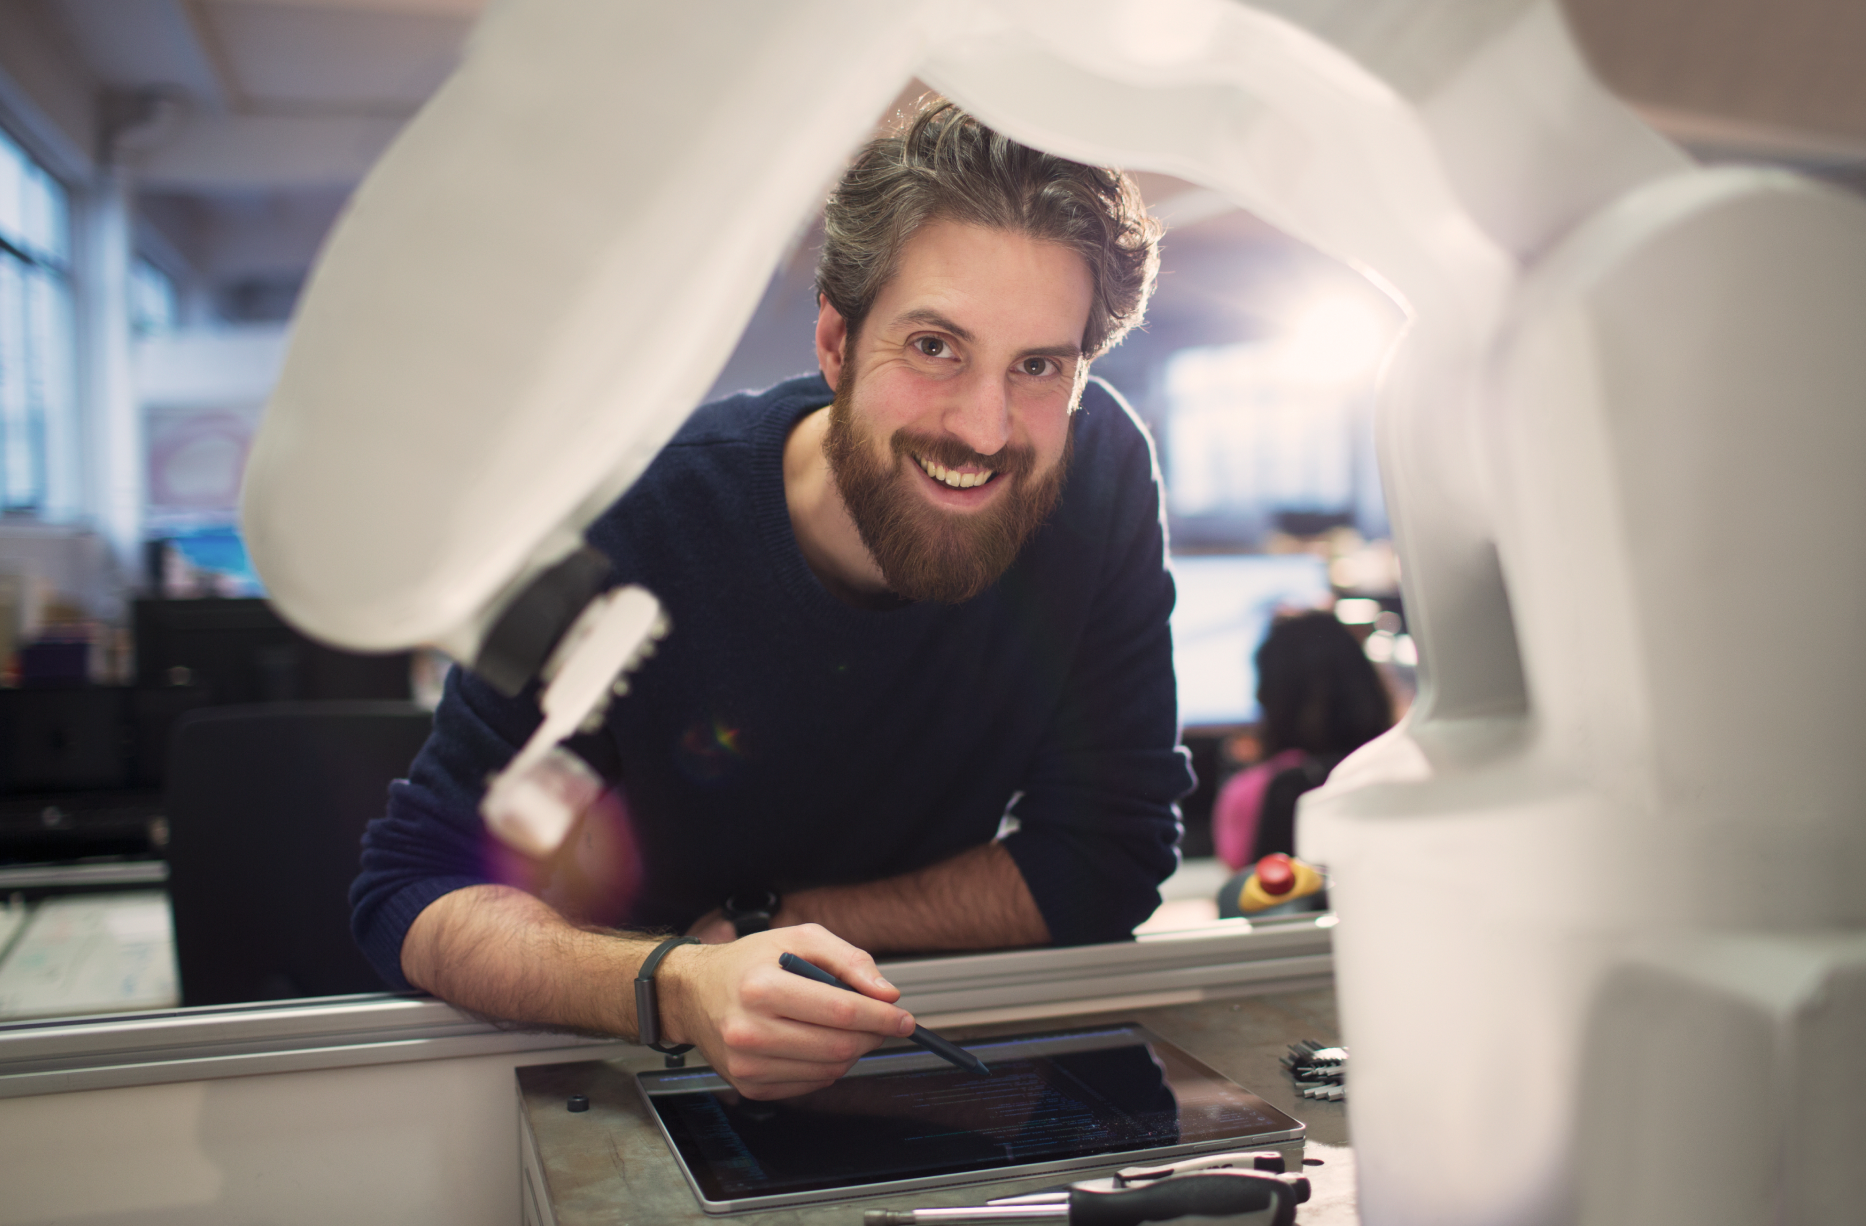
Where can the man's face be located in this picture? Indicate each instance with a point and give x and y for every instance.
(949, 435)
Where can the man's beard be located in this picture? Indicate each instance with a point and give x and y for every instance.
(926, 553)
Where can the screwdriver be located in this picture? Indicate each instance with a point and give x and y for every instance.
(946, 1049)
(1204, 1194)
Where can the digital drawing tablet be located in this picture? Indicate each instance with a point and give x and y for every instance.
(1101, 1096)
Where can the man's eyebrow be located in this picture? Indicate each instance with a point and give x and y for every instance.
(933, 319)
(930, 318)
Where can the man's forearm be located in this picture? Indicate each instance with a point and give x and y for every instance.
(975, 900)
(500, 951)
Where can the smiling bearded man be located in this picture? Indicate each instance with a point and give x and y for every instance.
(925, 553)
(919, 693)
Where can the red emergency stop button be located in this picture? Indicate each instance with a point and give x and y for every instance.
(1275, 874)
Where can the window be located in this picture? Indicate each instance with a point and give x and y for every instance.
(35, 329)
(1247, 437)
(153, 307)
(1278, 426)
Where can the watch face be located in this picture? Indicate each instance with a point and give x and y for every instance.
(751, 902)
(751, 911)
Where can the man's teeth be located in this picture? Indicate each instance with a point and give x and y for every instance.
(958, 481)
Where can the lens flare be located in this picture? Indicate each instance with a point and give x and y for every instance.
(595, 877)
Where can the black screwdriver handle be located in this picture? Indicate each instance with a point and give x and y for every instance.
(1202, 1194)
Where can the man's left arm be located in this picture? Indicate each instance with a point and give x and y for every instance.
(974, 900)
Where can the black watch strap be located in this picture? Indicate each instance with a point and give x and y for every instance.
(648, 1008)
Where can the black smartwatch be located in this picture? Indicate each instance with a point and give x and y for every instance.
(648, 1008)
(750, 911)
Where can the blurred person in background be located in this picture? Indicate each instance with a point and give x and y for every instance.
(1322, 699)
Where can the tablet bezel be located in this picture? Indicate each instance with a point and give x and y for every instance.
(1286, 1138)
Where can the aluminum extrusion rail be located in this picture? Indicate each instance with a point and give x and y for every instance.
(1229, 958)
(52, 1056)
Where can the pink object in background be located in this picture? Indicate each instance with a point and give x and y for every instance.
(1240, 804)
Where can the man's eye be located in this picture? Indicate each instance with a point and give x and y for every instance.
(1037, 367)
(931, 346)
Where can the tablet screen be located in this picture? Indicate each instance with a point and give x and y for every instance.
(1053, 1099)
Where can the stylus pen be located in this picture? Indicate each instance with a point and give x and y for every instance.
(921, 1035)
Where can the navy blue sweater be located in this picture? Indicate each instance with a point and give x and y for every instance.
(783, 739)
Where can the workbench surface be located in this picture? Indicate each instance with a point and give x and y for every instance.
(609, 1164)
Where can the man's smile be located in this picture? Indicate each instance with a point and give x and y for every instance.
(953, 478)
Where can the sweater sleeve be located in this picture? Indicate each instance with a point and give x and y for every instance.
(431, 841)
(1097, 822)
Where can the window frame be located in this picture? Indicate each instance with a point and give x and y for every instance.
(47, 334)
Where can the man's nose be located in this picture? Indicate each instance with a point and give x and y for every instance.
(980, 417)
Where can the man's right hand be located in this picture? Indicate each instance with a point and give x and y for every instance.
(770, 1033)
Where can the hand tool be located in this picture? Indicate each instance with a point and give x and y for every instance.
(1210, 1193)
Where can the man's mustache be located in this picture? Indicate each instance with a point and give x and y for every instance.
(1009, 460)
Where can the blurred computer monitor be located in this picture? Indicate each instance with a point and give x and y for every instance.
(1224, 609)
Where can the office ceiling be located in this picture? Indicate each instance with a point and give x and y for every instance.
(270, 97)
(287, 57)
(1777, 76)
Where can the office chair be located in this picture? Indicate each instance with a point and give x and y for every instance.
(266, 809)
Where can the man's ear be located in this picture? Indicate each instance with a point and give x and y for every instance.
(832, 334)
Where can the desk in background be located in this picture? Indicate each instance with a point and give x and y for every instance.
(81, 954)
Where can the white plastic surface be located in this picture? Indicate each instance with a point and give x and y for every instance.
(1674, 432)
(1623, 449)
(1755, 1038)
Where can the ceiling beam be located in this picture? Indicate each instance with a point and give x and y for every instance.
(137, 44)
(227, 93)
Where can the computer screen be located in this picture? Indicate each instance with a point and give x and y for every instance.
(1224, 609)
